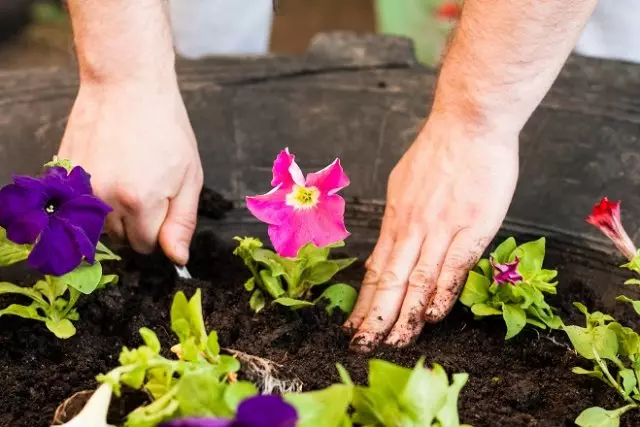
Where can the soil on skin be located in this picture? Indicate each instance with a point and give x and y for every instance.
(526, 381)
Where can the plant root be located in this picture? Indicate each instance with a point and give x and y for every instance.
(71, 407)
(269, 376)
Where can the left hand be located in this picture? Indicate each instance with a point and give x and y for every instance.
(446, 199)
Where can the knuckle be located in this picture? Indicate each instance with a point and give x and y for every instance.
(131, 201)
(389, 280)
(420, 277)
(371, 277)
(185, 222)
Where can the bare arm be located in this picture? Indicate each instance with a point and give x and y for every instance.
(121, 40)
(450, 192)
(504, 56)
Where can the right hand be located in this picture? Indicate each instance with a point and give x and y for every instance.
(135, 140)
(446, 200)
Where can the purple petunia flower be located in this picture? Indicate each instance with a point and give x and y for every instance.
(258, 411)
(506, 273)
(59, 213)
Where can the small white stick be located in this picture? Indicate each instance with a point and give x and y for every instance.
(183, 272)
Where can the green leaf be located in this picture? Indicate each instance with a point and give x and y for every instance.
(635, 304)
(483, 310)
(150, 340)
(85, 278)
(271, 284)
(600, 417)
(387, 377)
(179, 316)
(291, 302)
(515, 318)
(584, 340)
(632, 282)
(504, 250)
(628, 339)
(484, 267)
(343, 263)
(108, 279)
(103, 253)
(476, 289)
(201, 394)
(327, 408)
(250, 284)
(11, 253)
(531, 256)
(256, 302)
(10, 288)
(57, 162)
(628, 380)
(24, 311)
(187, 320)
(340, 296)
(62, 328)
(320, 273)
(313, 254)
(448, 414)
(596, 373)
(212, 343)
(425, 394)
(237, 392)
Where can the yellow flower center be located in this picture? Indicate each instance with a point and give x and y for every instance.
(303, 197)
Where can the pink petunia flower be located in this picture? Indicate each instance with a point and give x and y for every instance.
(300, 210)
(506, 273)
(606, 217)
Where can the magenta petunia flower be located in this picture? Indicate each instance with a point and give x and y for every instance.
(506, 273)
(300, 210)
(606, 217)
(258, 411)
(59, 213)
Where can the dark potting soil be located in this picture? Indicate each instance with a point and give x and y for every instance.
(526, 381)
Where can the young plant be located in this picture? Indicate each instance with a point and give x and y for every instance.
(513, 284)
(290, 281)
(398, 396)
(54, 222)
(306, 220)
(613, 348)
(615, 352)
(200, 382)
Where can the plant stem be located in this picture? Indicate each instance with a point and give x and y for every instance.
(73, 299)
(612, 381)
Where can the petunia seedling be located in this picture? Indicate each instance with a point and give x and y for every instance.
(256, 411)
(614, 351)
(306, 220)
(199, 382)
(290, 281)
(302, 210)
(54, 222)
(513, 284)
(399, 396)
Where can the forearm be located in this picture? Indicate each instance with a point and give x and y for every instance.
(503, 58)
(122, 40)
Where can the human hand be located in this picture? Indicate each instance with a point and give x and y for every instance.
(446, 200)
(136, 141)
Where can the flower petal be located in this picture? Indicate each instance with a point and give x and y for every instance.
(16, 200)
(56, 183)
(286, 171)
(322, 225)
(27, 227)
(56, 252)
(266, 411)
(198, 422)
(88, 213)
(79, 181)
(606, 217)
(329, 180)
(271, 207)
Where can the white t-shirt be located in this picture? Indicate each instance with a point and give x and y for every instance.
(613, 31)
